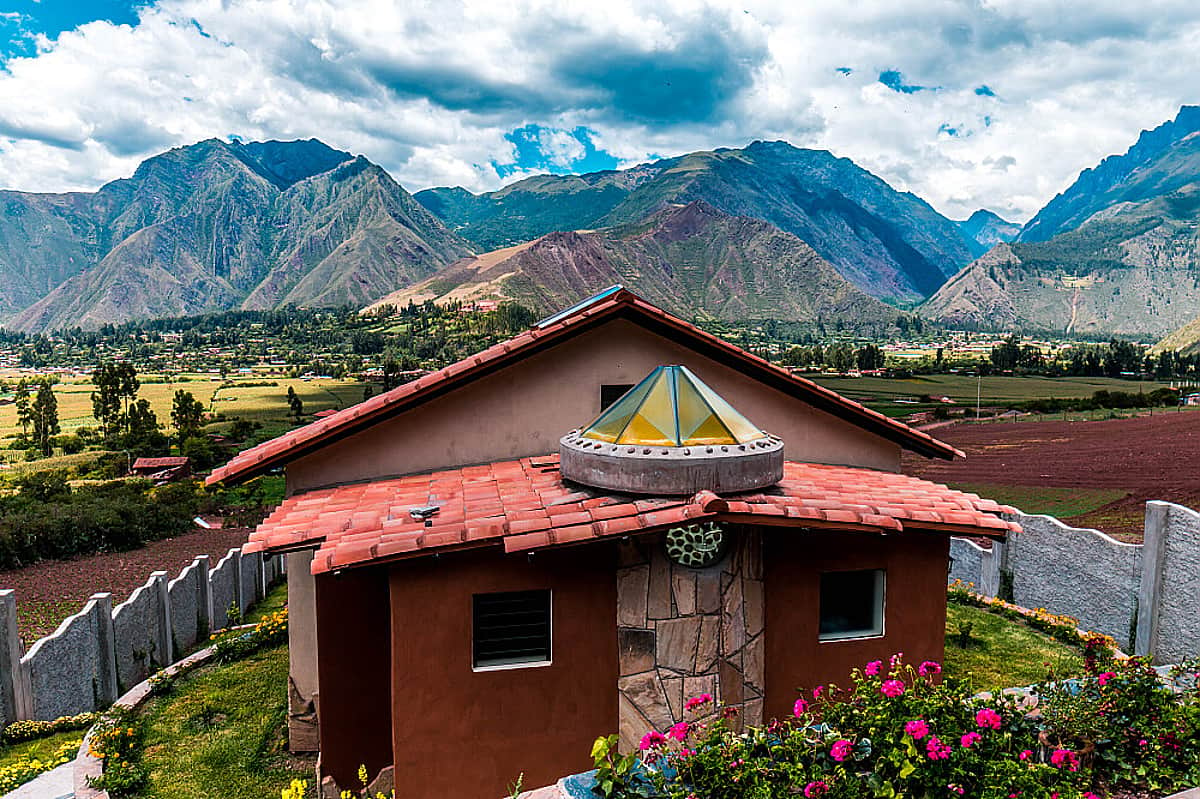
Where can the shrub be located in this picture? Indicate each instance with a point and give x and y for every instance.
(29, 730)
(117, 741)
(270, 631)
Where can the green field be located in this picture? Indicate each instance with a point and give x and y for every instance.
(1003, 653)
(1061, 503)
(266, 404)
(881, 393)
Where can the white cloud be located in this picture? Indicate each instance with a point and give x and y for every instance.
(429, 89)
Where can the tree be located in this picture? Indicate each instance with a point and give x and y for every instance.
(295, 404)
(45, 418)
(187, 414)
(142, 434)
(840, 357)
(116, 386)
(24, 412)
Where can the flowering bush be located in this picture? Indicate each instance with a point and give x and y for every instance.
(269, 631)
(1057, 626)
(899, 730)
(117, 741)
(22, 771)
(29, 730)
(299, 789)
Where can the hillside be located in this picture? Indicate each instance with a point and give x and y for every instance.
(692, 260)
(891, 244)
(1185, 340)
(215, 226)
(1161, 161)
(1134, 271)
(986, 229)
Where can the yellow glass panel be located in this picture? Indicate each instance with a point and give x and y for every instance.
(711, 431)
(641, 431)
(741, 427)
(609, 424)
(697, 423)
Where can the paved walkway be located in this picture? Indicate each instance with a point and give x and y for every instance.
(58, 783)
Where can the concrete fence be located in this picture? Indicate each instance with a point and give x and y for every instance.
(1146, 595)
(100, 652)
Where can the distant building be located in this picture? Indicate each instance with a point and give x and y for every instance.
(1191, 399)
(162, 470)
(325, 414)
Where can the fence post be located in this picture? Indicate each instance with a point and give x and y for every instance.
(204, 608)
(237, 582)
(1153, 553)
(10, 659)
(106, 650)
(164, 645)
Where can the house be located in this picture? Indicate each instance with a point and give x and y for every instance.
(162, 470)
(325, 414)
(569, 533)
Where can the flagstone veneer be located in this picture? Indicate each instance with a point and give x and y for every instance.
(684, 632)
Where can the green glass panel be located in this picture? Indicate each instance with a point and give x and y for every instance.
(609, 424)
(654, 422)
(697, 422)
(741, 427)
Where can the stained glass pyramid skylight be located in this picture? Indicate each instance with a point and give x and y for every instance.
(672, 408)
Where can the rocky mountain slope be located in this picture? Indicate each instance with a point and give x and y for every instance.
(691, 259)
(891, 244)
(1185, 340)
(985, 229)
(213, 226)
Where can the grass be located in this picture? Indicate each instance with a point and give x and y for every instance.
(1061, 503)
(221, 733)
(1004, 653)
(42, 748)
(276, 599)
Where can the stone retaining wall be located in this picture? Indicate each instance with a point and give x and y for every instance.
(101, 651)
(1143, 595)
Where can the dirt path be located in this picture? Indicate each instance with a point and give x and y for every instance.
(50, 591)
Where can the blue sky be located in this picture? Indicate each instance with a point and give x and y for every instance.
(967, 103)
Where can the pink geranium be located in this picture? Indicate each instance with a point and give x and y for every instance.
(935, 749)
(1064, 758)
(697, 701)
(815, 788)
(929, 667)
(652, 740)
(892, 688)
(970, 738)
(1105, 677)
(917, 729)
(800, 708)
(678, 731)
(840, 750)
(1026, 754)
(873, 668)
(988, 719)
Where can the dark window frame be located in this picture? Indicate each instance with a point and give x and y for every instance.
(877, 608)
(484, 656)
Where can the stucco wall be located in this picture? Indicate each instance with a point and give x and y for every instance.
(524, 409)
(1077, 572)
(1170, 625)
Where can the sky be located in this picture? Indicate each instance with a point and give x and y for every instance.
(992, 104)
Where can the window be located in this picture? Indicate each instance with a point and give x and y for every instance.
(511, 629)
(611, 393)
(852, 604)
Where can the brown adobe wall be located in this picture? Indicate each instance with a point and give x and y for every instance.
(460, 733)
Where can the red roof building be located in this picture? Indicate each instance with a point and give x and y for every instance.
(569, 533)
(162, 470)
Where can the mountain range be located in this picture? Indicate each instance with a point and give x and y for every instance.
(1116, 253)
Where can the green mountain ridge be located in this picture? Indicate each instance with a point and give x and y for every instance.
(693, 260)
(215, 226)
(891, 244)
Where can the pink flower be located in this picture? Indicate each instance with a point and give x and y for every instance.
(685, 753)
(929, 667)
(873, 668)
(892, 688)
(1064, 757)
(818, 691)
(800, 708)
(958, 789)
(652, 740)
(679, 731)
(1090, 795)
(815, 789)
(896, 660)
(935, 749)
(840, 750)
(697, 701)
(987, 719)
(970, 738)
(1028, 753)
(917, 729)
(1143, 742)
(734, 764)
(1105, 677)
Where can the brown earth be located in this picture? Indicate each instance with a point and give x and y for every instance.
(50, 591)
(1150, 457)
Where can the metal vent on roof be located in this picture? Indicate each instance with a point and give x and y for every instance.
(579, 306)
(511, 628)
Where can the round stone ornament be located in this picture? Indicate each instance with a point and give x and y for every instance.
(696, 546)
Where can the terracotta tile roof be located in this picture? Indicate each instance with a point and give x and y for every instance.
(524, 504)
(161, 463)
(623, 304)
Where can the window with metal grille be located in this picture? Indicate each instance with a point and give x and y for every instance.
(852, 604)
(611, 393)
(511, 629)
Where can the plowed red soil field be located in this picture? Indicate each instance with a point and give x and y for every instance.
(1149, 457)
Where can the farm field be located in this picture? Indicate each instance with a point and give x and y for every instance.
(1092, 474)
(261, 403)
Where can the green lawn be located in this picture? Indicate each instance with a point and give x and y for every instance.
(1061, 503)
(42, 748)
(221, 733)
(1005, 653)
